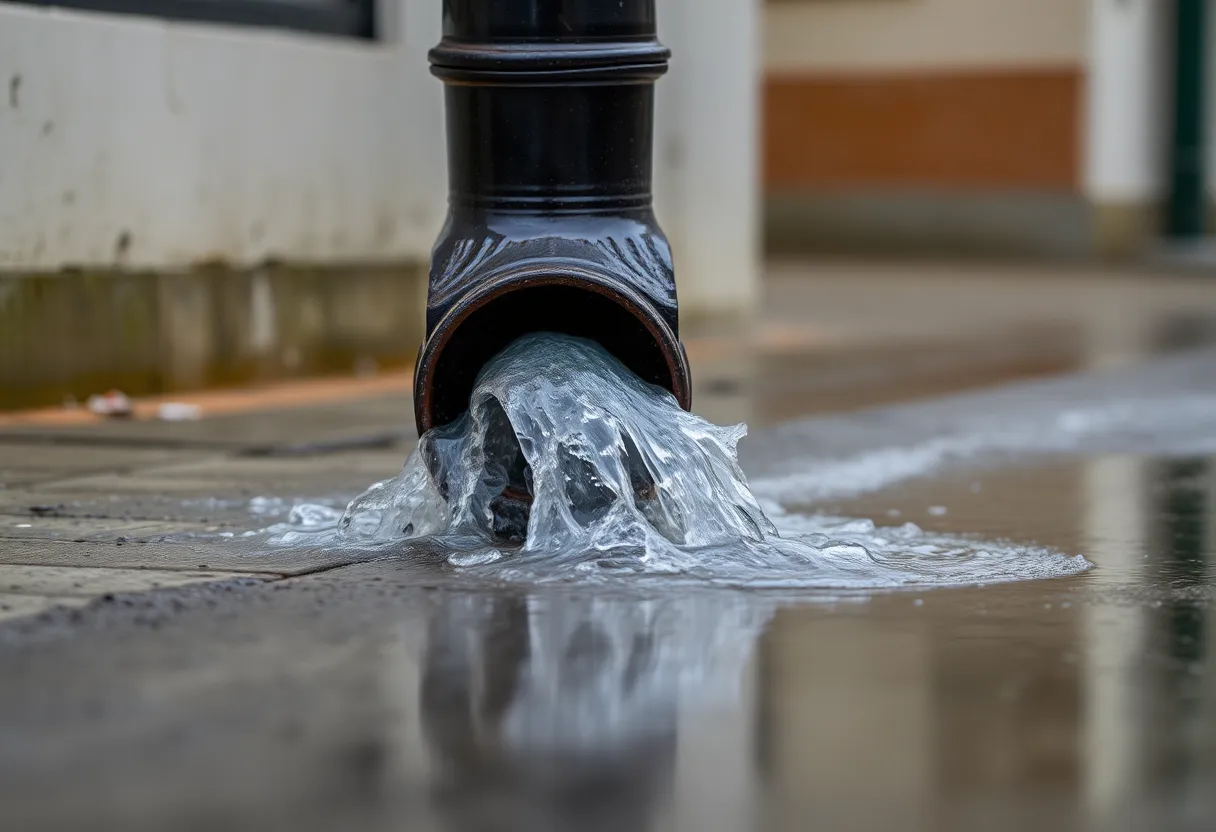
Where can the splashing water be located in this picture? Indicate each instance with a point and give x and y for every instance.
(567, 465)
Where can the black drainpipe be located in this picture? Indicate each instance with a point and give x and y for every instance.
(1188, 189)
(550, 117)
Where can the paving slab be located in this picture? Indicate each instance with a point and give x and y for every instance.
(229, 508)
(20, 606)
(166, 484)
(91, 582)
(61, 459)
(223, 483)
(364, 467)
(19, 478)
(212, 554)
(82, 529)
(228, 492)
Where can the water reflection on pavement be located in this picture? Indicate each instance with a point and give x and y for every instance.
(364, 697)
(394, 695)
(1083, 702)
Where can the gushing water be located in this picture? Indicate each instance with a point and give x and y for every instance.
(567, 465)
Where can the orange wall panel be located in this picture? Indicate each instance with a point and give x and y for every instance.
(990, 129)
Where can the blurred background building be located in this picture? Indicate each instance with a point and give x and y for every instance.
(1053, 127)
(204, 192)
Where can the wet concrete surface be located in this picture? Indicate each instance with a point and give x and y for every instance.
(392, 693)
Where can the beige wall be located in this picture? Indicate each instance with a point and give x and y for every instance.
(941, 123)
(983, 94)
(835, 36)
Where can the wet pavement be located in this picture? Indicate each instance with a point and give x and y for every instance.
(301, 689)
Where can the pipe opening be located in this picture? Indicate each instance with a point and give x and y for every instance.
(450, 362)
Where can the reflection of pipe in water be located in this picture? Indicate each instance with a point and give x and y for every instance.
(1184, 517)
(1113, 736)
(1160, 510)
(559, 711)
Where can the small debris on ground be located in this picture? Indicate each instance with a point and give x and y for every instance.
(178, 412)
(114, 404)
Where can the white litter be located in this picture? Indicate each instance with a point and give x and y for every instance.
(178, 412)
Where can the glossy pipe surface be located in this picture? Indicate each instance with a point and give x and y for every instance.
(550, 111)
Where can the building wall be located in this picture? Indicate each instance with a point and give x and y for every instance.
(868, 36)
(707, 150)
(186, 205)
(1127, 114)
(135, 142)
(954, 123)
(140, 143)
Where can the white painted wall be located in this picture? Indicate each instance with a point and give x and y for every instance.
(202, 143)
(208, 142)
(1127, 107)
(707, 151)
(886, 35)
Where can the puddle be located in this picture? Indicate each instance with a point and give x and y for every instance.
(588, 673)
(365, 697)
(568, 468)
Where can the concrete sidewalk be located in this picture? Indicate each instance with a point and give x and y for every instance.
(83, 501)
(158, 680)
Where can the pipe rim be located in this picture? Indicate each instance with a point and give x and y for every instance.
(629, 299)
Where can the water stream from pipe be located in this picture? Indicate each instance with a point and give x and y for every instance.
(568, 467)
